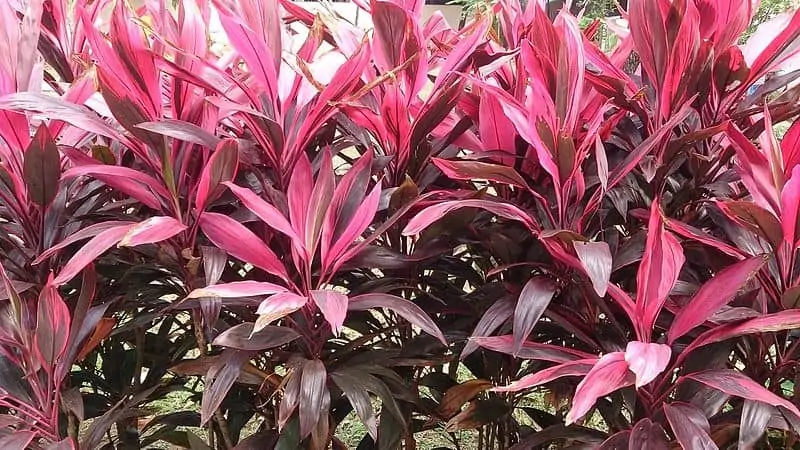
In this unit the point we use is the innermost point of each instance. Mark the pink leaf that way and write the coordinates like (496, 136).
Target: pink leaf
(569, 72)
(790, 203)
(714, 294)
(608, 374)
(319, 202)
(264, 211)
(363, 217)
(85, 233)
(658, 272)
(91, 251)
(241, 243)
(333, 306)
(300, 186)
(221, 167)
(533, 301)
(151, 231)
(647, 361)
(496, 131)
(138, 185)
(277, 306)
(237, 289)
(577, 368)
(790, 148)
(595, 257)
(254, 52)
(431, 214)
(755, 170)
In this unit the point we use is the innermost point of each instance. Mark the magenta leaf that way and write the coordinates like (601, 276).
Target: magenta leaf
(90, 252)
(533, 301)
(264, 211)
(333, 306)
(240, 242)
(431, 214)
(221, 167)
(658, 272)
(714, 294)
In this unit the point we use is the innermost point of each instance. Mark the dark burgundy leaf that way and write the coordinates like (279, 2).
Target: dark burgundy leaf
(533, 300)
(647, 435)
(242, 337)
(42, 167)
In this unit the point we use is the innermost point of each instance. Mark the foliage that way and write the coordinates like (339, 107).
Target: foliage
(495, 232)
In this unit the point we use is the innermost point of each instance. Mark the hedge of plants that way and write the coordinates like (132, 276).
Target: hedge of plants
(499, 234)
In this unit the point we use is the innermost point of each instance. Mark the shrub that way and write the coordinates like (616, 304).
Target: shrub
(496, 234)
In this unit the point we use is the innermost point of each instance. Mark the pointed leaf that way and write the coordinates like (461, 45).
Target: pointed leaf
(360, 400)
(404, 308)
(243, 337)
(595, 257)
(240, 242)
(577, 368)
(52, 325)
(278, 306)
(42, 167)
(715, 293)
(237, 289)
(264, 211)
(151, 231)
(90, 252)
(221, 167)
(181, 130)
(737, 384)
(431, 214)
(658, 272)
(313, 392)
(219, 380)
(608, 374)
(472, 170)
(688, 433)
(533, 301)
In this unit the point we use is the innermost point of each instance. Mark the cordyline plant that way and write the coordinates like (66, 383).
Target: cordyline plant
(286, 226)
